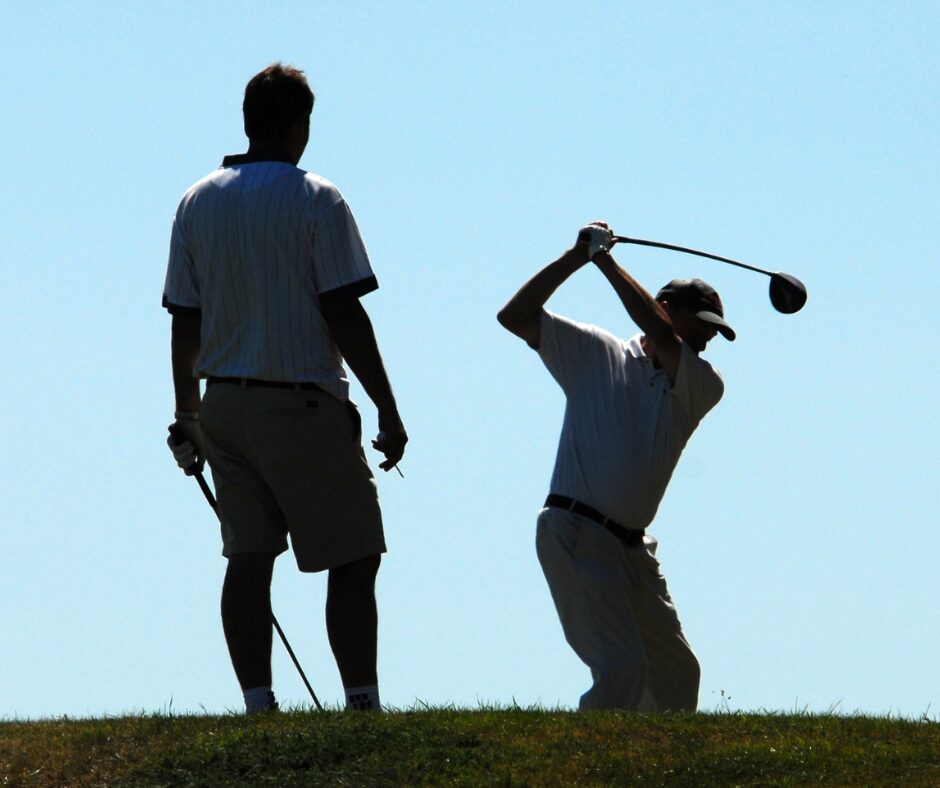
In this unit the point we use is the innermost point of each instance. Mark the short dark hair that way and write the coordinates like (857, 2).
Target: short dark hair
(276, 99)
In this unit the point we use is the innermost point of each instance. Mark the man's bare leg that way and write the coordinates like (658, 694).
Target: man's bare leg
(246, 617)
(352, 624)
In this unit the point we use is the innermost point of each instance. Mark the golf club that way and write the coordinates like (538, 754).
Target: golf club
(787, 293)
(204, 486)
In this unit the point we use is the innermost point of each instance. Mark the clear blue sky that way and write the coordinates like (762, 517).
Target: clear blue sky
(800, 533)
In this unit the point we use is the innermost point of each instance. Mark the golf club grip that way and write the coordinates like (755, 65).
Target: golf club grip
(204, 486)
(175, 434)
(584, 237)
(176, 439)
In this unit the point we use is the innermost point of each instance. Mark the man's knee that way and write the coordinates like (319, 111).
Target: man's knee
(250, 568)
(358, 574)
(247, 585)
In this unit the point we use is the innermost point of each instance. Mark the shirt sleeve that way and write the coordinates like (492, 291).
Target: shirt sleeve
(698, 386)
(181, 288)
(570, 349)
(341, 264)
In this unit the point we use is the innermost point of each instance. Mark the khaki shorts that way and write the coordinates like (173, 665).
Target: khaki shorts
(291, 462)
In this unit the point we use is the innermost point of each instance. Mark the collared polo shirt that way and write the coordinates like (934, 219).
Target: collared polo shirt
(256, 247)
(625, 424)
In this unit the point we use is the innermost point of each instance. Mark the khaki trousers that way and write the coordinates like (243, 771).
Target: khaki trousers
(617, 615)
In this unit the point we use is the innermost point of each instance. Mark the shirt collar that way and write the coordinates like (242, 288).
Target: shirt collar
(254, 158)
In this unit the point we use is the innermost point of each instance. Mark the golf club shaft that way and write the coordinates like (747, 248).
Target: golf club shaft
(204, 486)
(290, 651)
(624, 240)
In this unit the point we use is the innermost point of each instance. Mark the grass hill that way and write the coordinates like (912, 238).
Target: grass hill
(484, 747)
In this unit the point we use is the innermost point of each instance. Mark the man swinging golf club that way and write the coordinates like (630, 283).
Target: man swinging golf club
(264, 278)
(631, 407)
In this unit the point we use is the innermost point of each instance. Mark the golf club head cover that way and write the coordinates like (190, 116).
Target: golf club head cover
(188, 445)
(597, 238)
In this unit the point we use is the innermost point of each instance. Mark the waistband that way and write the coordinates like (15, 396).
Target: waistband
(269, 384)
(631, 536)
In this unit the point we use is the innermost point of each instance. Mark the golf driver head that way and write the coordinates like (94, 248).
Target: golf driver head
(787, 293)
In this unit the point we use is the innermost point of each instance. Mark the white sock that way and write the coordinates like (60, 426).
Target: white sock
(259, 699)
(363, 698)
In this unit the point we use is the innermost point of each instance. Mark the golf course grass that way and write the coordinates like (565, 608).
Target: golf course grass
(480, 747)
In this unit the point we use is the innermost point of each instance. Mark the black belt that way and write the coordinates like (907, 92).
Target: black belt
(268, 384)
(631, 536)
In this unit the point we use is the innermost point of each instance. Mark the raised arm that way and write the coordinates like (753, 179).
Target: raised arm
(649, 315)
(522, 315)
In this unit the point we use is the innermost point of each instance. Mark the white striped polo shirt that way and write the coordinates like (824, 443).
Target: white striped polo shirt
(256, 246)
(625, 425)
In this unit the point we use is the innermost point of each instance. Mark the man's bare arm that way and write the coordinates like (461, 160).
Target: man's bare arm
(646, 312)
(522, 315)
(185, 343)
(352, 331)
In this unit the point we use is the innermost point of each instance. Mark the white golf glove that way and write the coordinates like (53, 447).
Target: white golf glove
(187, 444)
(597, 238)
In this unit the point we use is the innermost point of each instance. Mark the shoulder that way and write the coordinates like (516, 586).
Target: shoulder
(562, 334)
(566, 325)
(706, 369)
(701, 374)
(698, 386)
(322, 189)
(318, 181)
(633, 347)
(198, 186)
(560, 330)
(207, 183)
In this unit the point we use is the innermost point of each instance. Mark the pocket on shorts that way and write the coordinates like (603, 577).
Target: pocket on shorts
(211, 416)
(356, 419)
(290, 409)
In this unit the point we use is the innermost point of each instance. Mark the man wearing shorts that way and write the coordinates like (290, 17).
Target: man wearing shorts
(631, 406)
(265, 273)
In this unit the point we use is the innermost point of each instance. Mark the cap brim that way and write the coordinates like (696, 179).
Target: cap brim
(719, 322)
